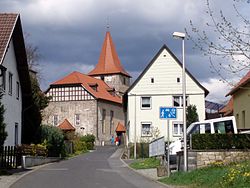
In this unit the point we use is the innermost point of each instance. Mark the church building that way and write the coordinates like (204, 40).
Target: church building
(91, 104)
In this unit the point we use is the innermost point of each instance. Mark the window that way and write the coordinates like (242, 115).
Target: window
(111, 121)
(146, 129)
(77, 119)
(10, 83)
(102, 77)
(16, 134)
(145, 102)
(177, 128)
(55, 120)
(103, 120)
(200, 128)
(224, 127)
(178, 102)
(3, 78)
(17, 90)
(178, 80)
(124, 81)
(152, 80)
(243, 119)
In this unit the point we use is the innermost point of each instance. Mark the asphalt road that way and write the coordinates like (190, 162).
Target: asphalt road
(99, 169)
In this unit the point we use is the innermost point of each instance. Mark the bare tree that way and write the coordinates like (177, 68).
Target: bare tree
(33, 55)
(228, 49)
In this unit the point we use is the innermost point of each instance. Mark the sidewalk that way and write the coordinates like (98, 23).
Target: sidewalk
(7, 180)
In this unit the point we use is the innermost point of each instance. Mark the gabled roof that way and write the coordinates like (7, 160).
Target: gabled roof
(102, 91)
(120, 128)
(241, 84)
(11, 29)
(109, 62)
(66, 126)
(164, 47)
(7, 25)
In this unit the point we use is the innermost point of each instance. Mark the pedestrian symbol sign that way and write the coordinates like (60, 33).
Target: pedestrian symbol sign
(168, 113)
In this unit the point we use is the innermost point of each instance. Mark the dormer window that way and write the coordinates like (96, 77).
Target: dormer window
(94, 86)
(111, 91)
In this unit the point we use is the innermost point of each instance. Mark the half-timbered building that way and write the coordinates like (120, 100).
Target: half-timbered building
(91, 103)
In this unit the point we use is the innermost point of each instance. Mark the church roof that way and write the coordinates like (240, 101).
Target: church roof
(66, 126)
(109, 62)
(98, 88)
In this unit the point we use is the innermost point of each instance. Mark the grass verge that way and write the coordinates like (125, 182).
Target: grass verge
(216, 175)
(145, 163)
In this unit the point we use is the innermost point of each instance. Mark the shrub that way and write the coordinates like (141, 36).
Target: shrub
(53, 139)
(79, 146)
(89, 139)
(220, 141)
(142, 150)
(33, 150)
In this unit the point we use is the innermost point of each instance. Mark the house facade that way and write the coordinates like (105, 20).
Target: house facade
(160, 85)
(14, 76)
(240, 95)
(91, 103)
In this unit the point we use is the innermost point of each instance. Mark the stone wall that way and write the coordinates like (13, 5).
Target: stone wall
(67, 110)
(105, 133)
(199, 159)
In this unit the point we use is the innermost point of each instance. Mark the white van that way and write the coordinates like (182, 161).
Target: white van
(224, 125)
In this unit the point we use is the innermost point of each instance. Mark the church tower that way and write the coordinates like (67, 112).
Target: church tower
(109, 68)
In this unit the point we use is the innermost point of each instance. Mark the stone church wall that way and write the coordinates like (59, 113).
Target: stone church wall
(106, 132)
(68, 109)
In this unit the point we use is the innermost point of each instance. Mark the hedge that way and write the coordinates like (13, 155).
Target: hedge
(220, 141)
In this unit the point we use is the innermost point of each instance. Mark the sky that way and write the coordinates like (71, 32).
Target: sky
(69, 34)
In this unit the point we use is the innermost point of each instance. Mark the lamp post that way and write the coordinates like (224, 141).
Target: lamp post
(135, 131)
(181, 36)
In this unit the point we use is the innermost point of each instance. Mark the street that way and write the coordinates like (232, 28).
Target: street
(101, 168)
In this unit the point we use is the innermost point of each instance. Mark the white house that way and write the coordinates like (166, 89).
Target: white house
(160, 85)
(14, 76)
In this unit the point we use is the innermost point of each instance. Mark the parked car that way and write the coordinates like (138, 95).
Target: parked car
(224, 125)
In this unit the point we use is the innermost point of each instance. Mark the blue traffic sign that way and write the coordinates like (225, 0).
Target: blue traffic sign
(168, 113)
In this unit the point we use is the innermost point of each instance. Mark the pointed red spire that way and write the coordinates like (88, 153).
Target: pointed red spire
(109, 62)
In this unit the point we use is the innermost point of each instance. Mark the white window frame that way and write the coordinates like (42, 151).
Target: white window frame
(55, 120)
(77, 119)
(148, 133)
(10, 83)
(179, 128)
(180, 97)
(150, 102)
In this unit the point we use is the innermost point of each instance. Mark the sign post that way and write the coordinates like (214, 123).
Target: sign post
(168, 113)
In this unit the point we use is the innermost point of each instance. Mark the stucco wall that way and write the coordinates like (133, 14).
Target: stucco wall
(242, 105)
(165, 72)
(12, 105)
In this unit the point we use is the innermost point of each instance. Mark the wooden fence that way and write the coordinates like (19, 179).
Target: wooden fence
(10, 157)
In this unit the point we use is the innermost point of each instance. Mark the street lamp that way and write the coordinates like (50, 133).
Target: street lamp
(179, 35)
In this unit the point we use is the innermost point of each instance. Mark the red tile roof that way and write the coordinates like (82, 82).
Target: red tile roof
(109, 62)
(120, 128)
(242, 83)
(228, 109)
(66, 126)
(86, 81)
(7, 25)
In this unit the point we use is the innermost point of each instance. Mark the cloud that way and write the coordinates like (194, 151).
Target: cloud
(217, 90)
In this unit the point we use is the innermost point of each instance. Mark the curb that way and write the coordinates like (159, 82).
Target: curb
(169, 186)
